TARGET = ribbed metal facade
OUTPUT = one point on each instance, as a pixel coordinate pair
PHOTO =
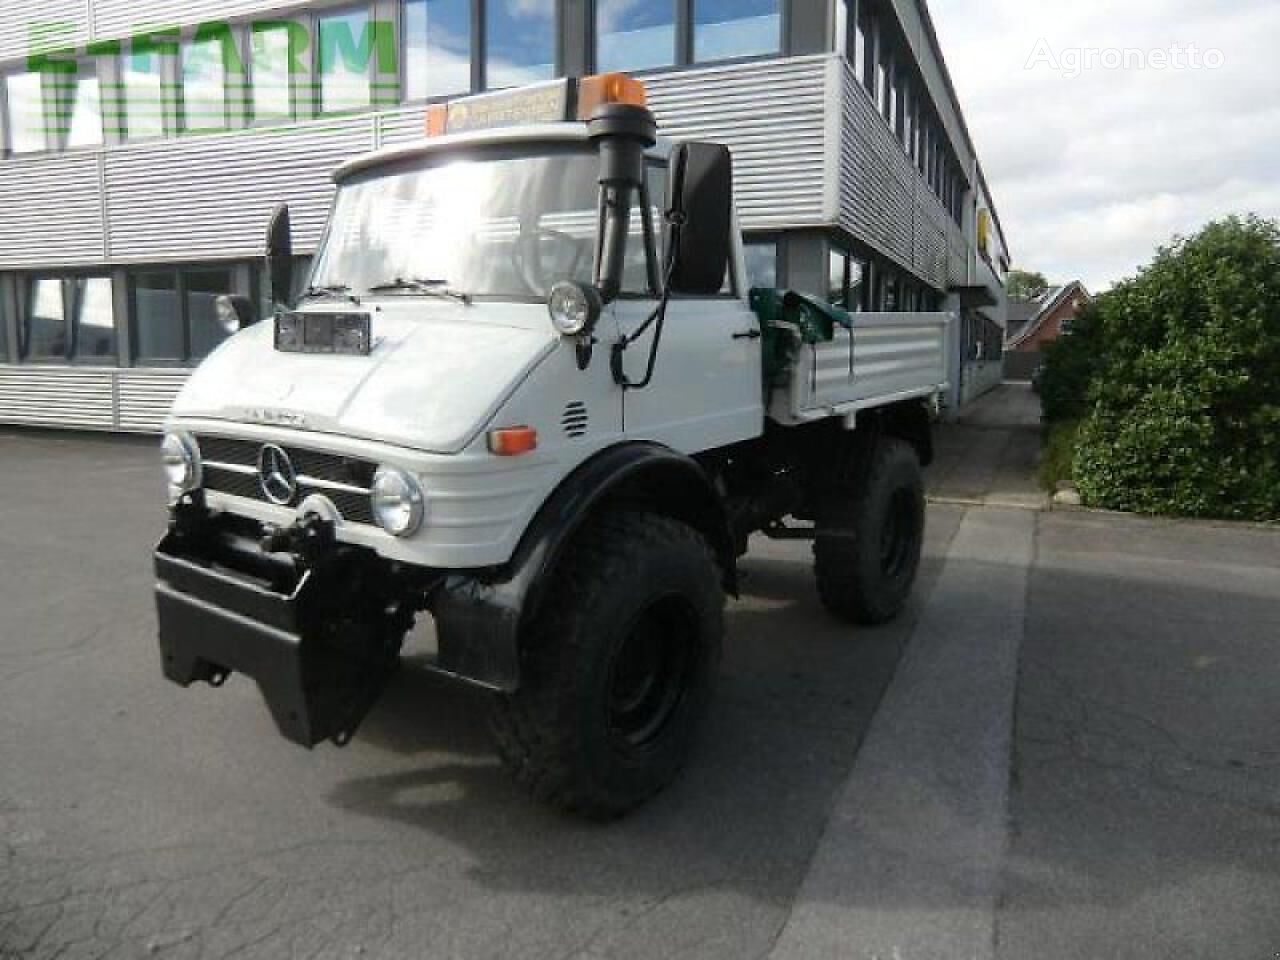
(810, 153)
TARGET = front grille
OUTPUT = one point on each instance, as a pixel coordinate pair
(231, 467)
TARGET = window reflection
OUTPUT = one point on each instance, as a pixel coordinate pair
(46, 327)
(345, 58)
(273, 54)
(437, 48)
(520, 42)
(142, 80)
(724, 29)
(635, 36)
(156, 316)
(204, 85)
(25, 112)
(203, 289)
(79, 110)
(95, 323)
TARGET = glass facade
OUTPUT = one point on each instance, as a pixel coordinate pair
(24, 112)
(204, 85)
(45, 336)
(142, 89)
(520, 42)
(93, 311)
(79, 107)
(345, 57)
(726, 29)
(437, 48)
(273, 52)
(633, 36)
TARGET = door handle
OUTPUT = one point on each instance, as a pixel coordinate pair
(747, 335)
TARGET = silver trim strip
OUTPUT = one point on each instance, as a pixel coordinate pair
(332, 485)
(239, 468)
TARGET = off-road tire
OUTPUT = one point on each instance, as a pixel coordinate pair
(559, 733)
(857, 580)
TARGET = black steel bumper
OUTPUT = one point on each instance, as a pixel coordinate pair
(215, 621)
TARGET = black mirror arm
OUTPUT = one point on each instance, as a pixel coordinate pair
(657, 319)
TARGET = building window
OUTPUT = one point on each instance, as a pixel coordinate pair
(204, 85)
(142, 86)
(634, 36)
(520, 42)
(858, 277)
(864, 49)
(275, 47)
(725, 29)
(174, 314)
(157, 319)
(93, 314)
(24, 100)
(346, 51)
(45, 336)
(78, 96)
(762, 263)
(202, 289)
(837, 278)
(437, 45)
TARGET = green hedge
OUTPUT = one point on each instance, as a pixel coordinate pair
(1175, 375)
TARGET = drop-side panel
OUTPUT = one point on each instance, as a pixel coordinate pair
(887, 356)
(52, 211)
(212, 196)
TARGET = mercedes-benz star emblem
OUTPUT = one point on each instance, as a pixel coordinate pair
(276, 475)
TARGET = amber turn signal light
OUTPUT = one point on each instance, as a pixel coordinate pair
(513, 441)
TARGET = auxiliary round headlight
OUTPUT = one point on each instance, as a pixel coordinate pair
(181, 459)
(573, 307)
(398, 502)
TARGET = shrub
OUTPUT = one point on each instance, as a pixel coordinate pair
(1183, 404)
(1071, 363)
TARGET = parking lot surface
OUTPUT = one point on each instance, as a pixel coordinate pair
(141, 819)
(1067, 749)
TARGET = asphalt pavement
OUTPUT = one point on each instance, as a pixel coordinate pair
(1067, 748)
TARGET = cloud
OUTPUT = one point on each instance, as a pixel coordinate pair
(1092, 169)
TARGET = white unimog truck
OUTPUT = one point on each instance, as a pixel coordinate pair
(526, 392)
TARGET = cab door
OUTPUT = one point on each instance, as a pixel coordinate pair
(707, 385)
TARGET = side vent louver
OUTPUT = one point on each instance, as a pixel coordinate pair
(575, 420)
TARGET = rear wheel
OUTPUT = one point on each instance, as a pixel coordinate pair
(619, 667)
(869, 537)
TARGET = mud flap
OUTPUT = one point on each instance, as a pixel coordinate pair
(319, 677)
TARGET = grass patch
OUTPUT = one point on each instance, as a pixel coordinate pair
(1058, 458)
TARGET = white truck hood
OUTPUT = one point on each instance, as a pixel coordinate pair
(435, 376)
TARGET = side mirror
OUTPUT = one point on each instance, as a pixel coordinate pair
(700, 206)
(234, 313)
(280, 255)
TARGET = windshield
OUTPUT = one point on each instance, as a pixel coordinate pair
(485, 225)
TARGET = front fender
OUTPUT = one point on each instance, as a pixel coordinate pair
(479, 619)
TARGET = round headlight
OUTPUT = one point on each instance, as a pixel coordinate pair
(398, 503)
(573, 308)
(181, 459)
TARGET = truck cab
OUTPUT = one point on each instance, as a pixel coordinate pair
(526, 393)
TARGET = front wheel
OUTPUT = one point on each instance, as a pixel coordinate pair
(618, 668)
(869, 537)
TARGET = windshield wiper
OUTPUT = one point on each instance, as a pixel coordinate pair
(338, 291)
(430, 288)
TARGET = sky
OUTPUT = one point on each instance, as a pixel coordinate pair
(1093, 164)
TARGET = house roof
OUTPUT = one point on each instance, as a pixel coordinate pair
(1033, 313)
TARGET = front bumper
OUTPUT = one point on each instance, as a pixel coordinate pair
(318, 677)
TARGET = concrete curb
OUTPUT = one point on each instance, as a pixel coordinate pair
(910, 864)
